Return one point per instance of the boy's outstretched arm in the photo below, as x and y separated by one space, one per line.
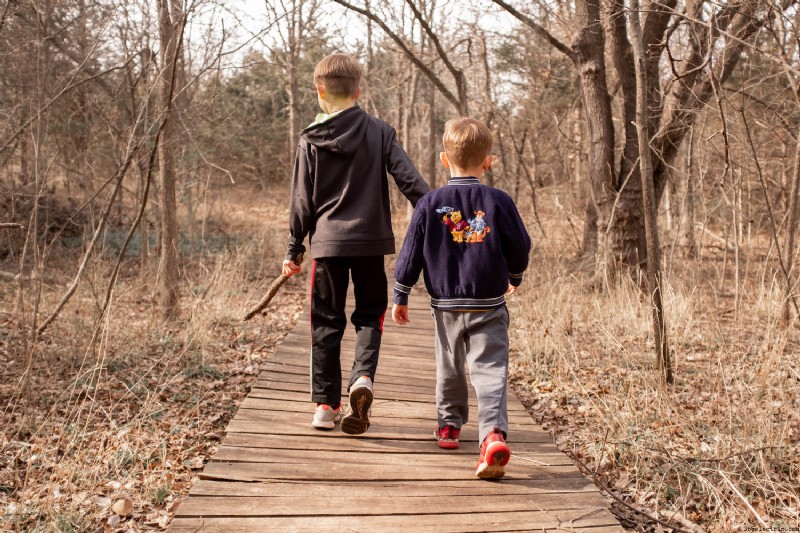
405 174
409 264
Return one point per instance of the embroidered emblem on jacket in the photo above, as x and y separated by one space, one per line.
469 231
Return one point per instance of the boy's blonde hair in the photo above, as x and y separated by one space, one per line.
339 74
466 141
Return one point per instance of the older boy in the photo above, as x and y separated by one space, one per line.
340 198
473 248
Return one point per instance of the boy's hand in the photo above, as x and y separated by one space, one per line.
510 290
290 268
400 314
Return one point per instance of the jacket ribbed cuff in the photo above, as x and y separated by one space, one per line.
515 279
401 293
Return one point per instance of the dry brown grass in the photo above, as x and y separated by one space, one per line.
137 415
719 448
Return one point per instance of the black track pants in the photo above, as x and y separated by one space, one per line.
329 280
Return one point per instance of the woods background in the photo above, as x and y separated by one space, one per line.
145 155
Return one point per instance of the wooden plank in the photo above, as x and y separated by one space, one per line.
380 409
386 504
521 450
300 396
565 486
248 421
340 470
347 456
562 521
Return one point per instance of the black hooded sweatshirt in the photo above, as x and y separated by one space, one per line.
340 191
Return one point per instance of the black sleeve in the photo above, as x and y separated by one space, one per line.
405 174
301 212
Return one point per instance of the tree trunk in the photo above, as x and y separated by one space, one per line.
688 210
433 142
293 58
654 275
170 21
588 47
790 238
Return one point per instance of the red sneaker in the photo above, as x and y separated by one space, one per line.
495 454
447 437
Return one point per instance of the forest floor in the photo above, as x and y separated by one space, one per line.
91 432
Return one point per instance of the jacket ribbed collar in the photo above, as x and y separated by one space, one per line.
466 180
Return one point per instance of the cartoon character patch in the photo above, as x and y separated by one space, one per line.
469 231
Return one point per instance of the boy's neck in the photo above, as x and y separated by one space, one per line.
456 172
334 106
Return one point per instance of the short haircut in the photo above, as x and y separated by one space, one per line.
466 141
339 74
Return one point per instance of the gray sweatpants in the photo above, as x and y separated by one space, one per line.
479 339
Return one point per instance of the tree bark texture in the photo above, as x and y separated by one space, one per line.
170 19
589 60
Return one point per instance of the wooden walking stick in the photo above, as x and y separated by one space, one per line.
271 292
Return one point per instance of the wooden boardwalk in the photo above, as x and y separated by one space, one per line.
274 472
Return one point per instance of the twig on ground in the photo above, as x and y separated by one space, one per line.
744 500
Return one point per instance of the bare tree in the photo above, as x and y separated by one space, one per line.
296 17
614 219
654 275
171 21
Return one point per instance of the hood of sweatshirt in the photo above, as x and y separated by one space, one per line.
342 133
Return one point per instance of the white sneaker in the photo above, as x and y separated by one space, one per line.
356 421
325 416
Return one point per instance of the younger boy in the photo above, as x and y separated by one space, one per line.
473 248
340 198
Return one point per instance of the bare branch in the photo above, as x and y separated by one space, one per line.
453 99
538 28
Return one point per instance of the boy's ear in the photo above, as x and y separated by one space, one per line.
321 91
444 160
487 162
358 93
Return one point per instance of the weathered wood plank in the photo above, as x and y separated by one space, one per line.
380 409
347 456
386 504
564 486
249 421
543 521
341 470
298 396
521 450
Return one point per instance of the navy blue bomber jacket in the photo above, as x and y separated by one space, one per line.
470 242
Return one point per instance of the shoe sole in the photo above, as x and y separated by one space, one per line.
321 424
495 462
356 421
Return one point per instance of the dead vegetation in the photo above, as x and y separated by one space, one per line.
717 451
109 437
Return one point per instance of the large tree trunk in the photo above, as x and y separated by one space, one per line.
170 16
587 47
